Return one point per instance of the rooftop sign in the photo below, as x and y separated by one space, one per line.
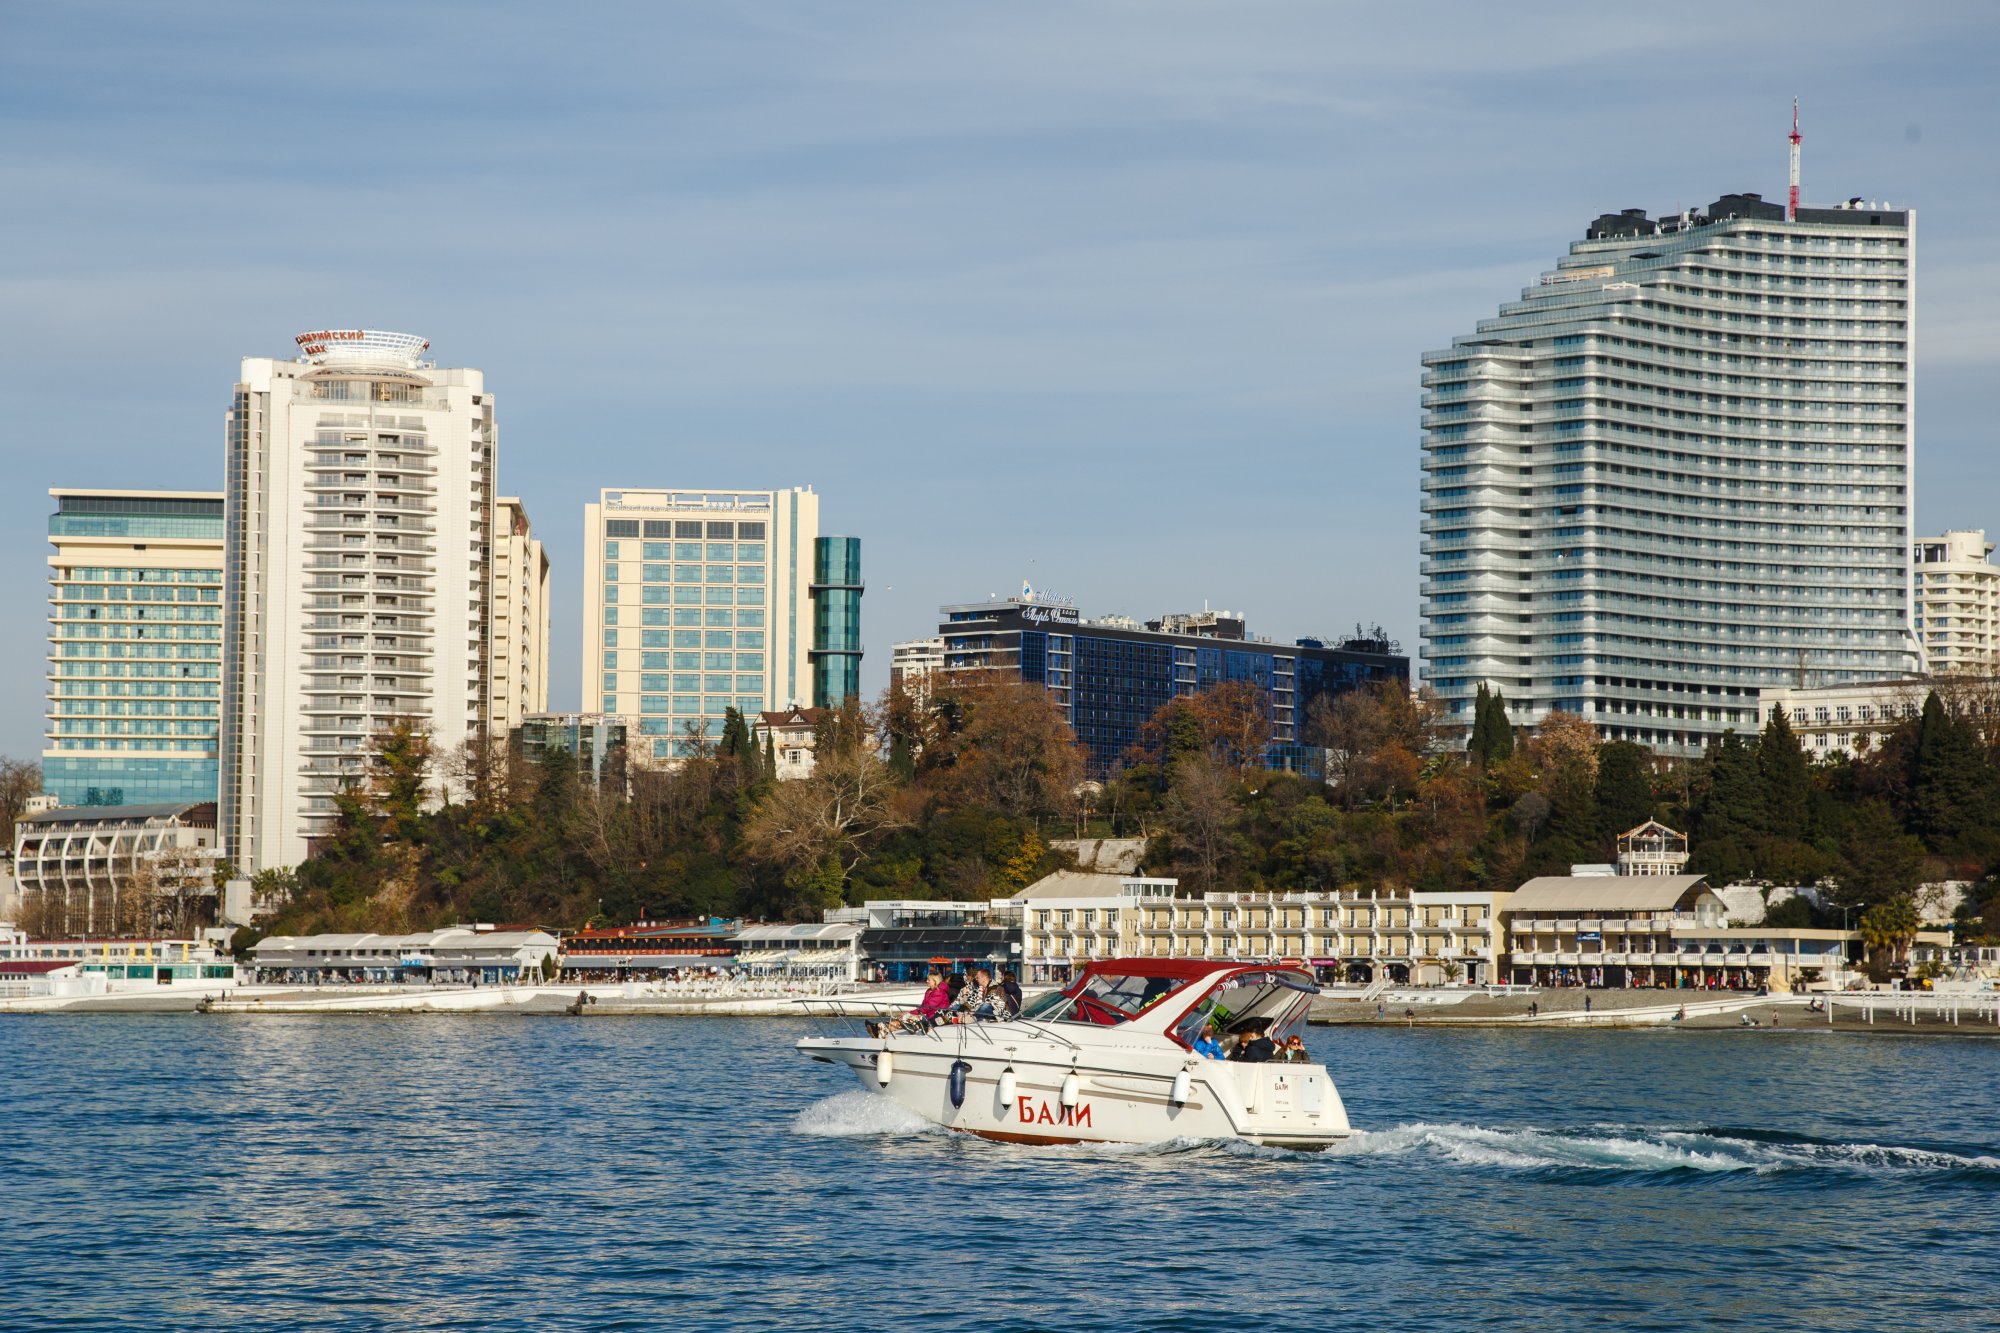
323 345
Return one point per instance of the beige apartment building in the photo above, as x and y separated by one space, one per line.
1955 602
1071 919
519 651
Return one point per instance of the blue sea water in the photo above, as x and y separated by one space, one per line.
169 1172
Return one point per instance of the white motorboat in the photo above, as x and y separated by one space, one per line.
1111 1058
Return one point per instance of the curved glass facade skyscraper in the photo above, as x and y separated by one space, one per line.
1676 471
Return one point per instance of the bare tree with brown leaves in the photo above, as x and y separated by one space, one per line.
820 827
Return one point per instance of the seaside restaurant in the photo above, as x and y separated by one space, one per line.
1664 931
649 949
458 954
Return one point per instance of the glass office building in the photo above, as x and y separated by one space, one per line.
1677 471
1109 677
135 647
836 595
699 601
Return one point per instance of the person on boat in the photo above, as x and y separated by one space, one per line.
1253 1046
1295 1051
975 1000
1209 1044
936 1000
1010 991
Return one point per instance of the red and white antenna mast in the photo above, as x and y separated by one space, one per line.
1792 208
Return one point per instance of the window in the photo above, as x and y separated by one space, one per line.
620 527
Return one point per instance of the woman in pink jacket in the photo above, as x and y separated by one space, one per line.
937 999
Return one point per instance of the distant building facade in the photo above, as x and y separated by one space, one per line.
519 665
455 954
1677 471
1854 717
93 870
1110 676
697 602
135 646
360 483
649 948
836 612
789 735
1071 919
596 741
1956 607
913 659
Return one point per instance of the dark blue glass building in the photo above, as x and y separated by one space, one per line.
1110 676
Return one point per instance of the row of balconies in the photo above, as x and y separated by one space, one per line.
1678 958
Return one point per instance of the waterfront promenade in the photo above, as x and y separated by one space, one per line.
1973 1015
623 999
1976 1014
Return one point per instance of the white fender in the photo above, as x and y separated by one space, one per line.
1007 1086
1072 1087
885 1067
1183 1086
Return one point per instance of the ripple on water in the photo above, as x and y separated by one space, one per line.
449 1172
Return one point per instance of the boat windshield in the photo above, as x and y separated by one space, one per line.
1104 1000
1278 1001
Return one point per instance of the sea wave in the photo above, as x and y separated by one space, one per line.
1646 1149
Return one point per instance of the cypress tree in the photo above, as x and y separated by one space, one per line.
1781 765
1728 818
1501 746
1624 787
1482 726
735 736
1952 791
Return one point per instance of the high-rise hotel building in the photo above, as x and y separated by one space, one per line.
1676 471
135 647
519 668
1957 609
358 575
699 601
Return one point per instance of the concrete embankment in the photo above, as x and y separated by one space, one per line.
1883 1012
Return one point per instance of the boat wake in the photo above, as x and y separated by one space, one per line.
1638 1149
852 1115
1599 1151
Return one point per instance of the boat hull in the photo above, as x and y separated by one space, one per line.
1012 1088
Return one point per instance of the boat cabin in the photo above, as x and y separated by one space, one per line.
1179 998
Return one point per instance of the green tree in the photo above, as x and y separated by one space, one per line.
1727 816
1501 744
1887 930
1781 765
1952 791
402 775
1481 740
1880 861
1624 788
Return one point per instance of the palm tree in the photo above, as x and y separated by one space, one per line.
1888 928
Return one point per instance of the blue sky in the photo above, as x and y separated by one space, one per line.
1125 299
